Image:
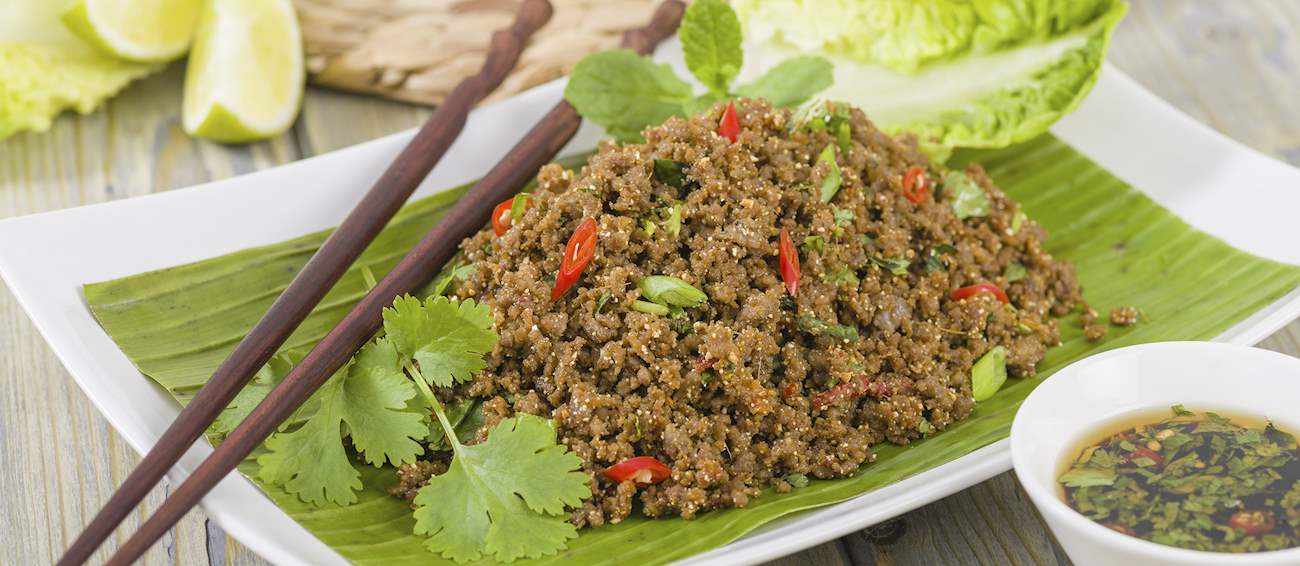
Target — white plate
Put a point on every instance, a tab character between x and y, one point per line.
1214	183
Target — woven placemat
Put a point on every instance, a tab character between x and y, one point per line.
417	50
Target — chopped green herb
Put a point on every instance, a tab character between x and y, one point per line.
843	216
823	115
600	303
1194	481
831	182
518	205
924	427
989	373
814	243
968	199
706	376
1018	220
649	226
1084	477
458	271
649	308
674	221
841	277
670	173
817	327
895	265
934	258
671	291
797	480
1014	272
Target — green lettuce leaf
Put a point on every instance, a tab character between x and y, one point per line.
44	69
982	74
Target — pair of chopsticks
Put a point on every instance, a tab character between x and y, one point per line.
324	269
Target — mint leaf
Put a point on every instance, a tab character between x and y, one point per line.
505	497
703	102
447	339
710	34
369	396
625	93
791	82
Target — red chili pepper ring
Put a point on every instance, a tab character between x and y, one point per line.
644	470
972	290
915	185
577	255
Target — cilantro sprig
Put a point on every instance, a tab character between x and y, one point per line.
505	497
625	92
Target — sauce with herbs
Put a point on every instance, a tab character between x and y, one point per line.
1193	480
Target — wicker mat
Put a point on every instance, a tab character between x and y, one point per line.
417	50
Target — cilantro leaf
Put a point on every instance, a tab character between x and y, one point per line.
466	418
791	82
710	34
624	92
257	389
505	497
369	396
446	338
895	265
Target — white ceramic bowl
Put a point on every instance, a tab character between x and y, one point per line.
1075	401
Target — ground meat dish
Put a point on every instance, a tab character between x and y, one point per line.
728	394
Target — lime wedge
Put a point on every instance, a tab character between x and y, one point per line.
143	31
245	75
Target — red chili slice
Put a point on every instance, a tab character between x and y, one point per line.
577	254
644	470
501	218
972	290
788	255
915	185
1254	523
729	126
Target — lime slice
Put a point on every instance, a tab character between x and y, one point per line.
135	30
245	75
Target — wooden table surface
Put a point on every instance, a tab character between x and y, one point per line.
1233	65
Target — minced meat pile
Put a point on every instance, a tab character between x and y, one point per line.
754	386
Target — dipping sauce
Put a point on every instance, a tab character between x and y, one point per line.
1193	480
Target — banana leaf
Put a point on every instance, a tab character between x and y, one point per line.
177	324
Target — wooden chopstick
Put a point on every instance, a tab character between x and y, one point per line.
415	269
317	277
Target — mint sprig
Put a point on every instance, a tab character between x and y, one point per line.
626	93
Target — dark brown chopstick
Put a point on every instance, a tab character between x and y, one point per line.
317	277
415	269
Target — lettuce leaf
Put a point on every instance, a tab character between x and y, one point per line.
45	70
982	74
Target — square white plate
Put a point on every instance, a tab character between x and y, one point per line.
1213	183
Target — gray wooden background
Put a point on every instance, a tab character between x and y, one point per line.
1233	65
